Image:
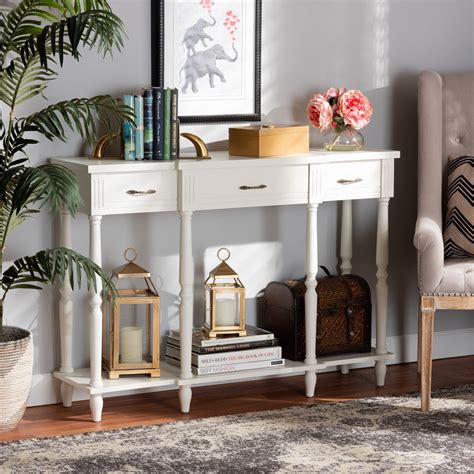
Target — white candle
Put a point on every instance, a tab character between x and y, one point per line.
131	345
225	312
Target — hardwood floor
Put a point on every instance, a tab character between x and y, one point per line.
163	407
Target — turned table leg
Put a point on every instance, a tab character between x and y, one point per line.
346	251
66	313
95	321
381	290
186	281
311	297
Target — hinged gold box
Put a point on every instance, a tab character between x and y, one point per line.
265	141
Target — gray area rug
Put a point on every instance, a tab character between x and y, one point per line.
386	434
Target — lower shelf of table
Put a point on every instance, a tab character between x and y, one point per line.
170	375
354	358
80	379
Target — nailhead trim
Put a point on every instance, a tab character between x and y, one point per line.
462	295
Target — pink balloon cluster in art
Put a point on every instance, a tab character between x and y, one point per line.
207	4
231	23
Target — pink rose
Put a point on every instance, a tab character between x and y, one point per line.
334	92
355	109
319	112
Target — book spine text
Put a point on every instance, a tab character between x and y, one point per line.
148	125
157	123
167	125
174	124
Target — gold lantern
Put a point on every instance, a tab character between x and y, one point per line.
225	300
131	325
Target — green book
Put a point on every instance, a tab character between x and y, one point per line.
167	125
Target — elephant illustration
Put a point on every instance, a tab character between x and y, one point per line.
196	33
204	62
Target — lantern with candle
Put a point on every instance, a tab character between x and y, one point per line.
131	324
225	300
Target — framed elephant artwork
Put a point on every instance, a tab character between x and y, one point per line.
210	50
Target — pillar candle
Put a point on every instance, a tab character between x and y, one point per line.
131	345
225	312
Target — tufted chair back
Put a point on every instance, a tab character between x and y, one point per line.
446	112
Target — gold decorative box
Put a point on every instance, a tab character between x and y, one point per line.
268	140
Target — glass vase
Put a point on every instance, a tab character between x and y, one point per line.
347	140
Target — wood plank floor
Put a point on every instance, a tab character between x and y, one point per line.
162	407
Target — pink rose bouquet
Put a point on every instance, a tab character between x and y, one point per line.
340	110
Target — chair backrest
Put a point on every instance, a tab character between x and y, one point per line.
446	123
458	115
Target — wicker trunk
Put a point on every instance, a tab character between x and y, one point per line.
344	315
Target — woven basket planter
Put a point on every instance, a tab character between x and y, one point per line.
16	368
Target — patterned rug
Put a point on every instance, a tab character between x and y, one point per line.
386	434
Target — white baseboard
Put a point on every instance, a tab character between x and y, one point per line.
446	344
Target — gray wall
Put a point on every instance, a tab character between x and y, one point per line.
378	46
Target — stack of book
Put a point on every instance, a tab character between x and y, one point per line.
257	350
154	136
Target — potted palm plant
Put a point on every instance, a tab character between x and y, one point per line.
35	37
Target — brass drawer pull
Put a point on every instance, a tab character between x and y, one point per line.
132	192
349	181
246	188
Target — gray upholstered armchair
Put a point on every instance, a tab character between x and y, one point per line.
446	128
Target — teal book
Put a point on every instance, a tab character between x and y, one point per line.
167	124
148	123
140	129
174	124
129	131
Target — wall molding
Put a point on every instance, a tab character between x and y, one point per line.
457	343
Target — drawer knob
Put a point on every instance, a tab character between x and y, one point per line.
246	188
349	181
133	192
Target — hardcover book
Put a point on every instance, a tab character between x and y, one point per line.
148	124
220	369
167	124
197	349
158	123
223	358
253	334
139	134
174	124
129	131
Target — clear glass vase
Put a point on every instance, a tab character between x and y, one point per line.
347	140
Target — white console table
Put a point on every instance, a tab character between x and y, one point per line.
188	186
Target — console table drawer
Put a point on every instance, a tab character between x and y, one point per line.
118	193
245	187
358	180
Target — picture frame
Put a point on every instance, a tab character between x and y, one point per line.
211	51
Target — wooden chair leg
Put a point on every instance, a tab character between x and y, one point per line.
427	329
418	357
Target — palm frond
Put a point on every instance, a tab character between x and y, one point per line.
24	81
23	188
80	115
49	266
24	21
50	183
38	32
100	29
15	142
